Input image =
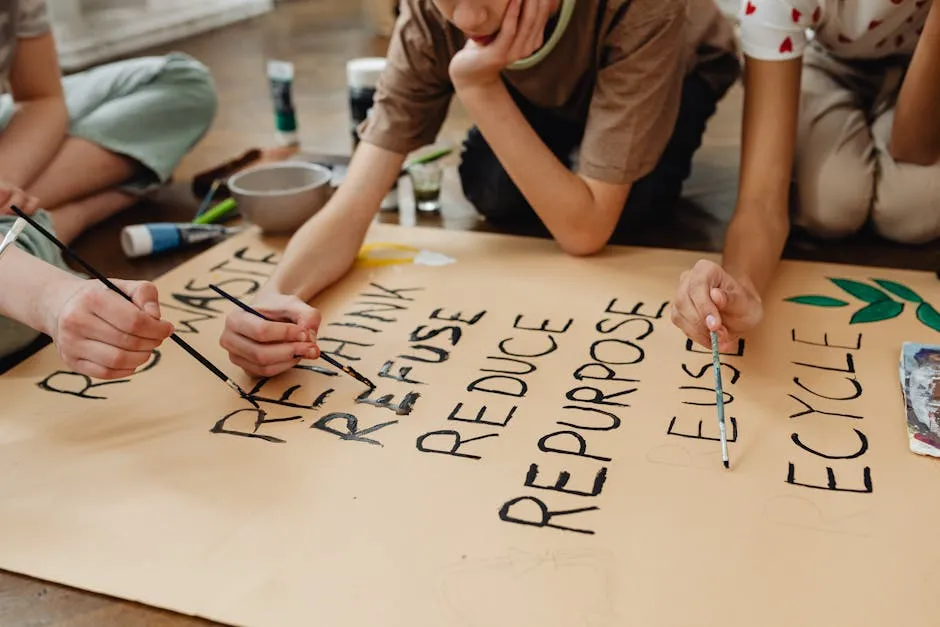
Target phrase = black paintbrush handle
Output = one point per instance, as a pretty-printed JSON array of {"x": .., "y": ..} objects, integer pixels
[
  {"x": 347, "y": 369},
  {"x": 92, "y": 271}
]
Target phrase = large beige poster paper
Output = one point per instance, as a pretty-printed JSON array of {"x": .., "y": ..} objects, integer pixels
[{"x": 589, "y": 491}]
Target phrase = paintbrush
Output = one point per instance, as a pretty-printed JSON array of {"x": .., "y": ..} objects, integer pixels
[
  {"x": 720, "y": 394},
  {"x": 12, "y": 234},
  {"x": 189, "y": 349},
  {"x": 347, "y": 369},
  {"x": 204, "y": 206}
]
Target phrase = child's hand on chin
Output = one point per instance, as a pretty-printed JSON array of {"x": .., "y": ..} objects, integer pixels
[{"x": 520, "y": 35}]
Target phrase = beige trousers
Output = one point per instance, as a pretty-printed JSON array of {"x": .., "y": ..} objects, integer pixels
[{"x": 843, "y": 172}]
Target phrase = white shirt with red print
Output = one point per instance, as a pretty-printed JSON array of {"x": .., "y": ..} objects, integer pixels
[{"x": 849, "y": 29}]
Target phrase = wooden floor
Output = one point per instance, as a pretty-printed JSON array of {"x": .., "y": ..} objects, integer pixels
[{"x": 319, "y": 36}]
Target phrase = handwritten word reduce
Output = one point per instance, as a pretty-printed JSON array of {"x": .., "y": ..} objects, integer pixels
[{"x": 515, "y": 362}]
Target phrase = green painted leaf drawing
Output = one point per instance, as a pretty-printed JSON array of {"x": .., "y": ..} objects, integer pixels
[
  {"x": 818, "y": 301},
  {"x": 901, "y": 291},
  {"x": 877, "y": 312},
  {"x": 861, "y": 291},
  {"x": 928, "y": 316}
]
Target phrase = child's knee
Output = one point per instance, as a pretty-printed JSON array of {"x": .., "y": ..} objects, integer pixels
[
  {"x": 192, "y": 86},
  {"x": 907, "y": 204},
  {"x": 835, "y": 195}
]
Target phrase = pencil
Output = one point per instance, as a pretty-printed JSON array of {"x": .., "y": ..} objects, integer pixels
[
  {"x": 92, "y": 271},
  {"x": 347, "y": 369},
  {"x": 720, "y": 394}
]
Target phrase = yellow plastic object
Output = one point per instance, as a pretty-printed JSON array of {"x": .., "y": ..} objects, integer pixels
[{"x": 386, "y": 254}]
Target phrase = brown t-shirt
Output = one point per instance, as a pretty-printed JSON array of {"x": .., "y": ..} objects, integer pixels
[{"x": 622, "y": 86}]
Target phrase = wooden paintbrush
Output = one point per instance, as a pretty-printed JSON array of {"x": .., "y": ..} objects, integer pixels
[
  {"x": 92, "y": 271},
  {"x": 347, "y": 369}
]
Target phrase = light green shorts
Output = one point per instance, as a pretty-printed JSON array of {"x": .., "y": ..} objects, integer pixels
[
  {"x": 13, "y": 335},
  {"x": 151, "y": 109}
]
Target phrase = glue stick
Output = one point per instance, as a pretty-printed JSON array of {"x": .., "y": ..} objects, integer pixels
[
  {"x": 281, "y": 79},
  {"x": 140, "y": 240}
]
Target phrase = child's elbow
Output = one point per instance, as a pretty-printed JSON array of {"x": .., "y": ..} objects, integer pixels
[{"x": 584, "y": 243}]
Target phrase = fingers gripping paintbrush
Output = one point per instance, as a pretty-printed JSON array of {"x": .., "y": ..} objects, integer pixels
[
  {"x": 347, "y": 369},
  {"x": 92, "y": 271}
]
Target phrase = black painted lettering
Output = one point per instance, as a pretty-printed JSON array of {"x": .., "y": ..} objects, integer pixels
[
  {"x": 390, "y": 293},
  {"x": 371, "y": 311},
  {"x": 354, "y": 325},
  {"x": 242, "y": 254},
  {"x": 439, "y": 354},
  {"x": 626, "y": 352},
  {"x": 607, "y": 330},
  {"x": 831, "y": 481},
  {"x": 732, "y": 436},
  {"x": 418, "y": 335},
  {"x": 78, "y": 385},
  {"x": 691, "y": 347},
  {"x": 352, "y": 432},
  {"x": 581, "y": 448},
  {"x": 856, "y": 390},
  {"x": 203, "y": 303},
  {"x": 551, "y": 349},
  {"x": 810, "y": 410},
  {"x": 849, "y": 365},
  {"x": 636, "y": 310},
  {"x": 507, "y": 386},
  {"x": 614, "y": 419},
  {"x": 402, "y": 376},
  {"x": 436, "y": 315},
  {"x": 545, "y": 516},
  {"x": 288, "y": 398},
  {"x": 597, "y": 397},
  {"x": 543, "y": 326},
  {"x": 710, "y": 370},
  {"x": 562, "y": 482},
  {"x": 224, "y": 267},
  {"x": 260, "y": 420},
  {"x": 861, "y": 450},
  {"x": 727, "y": 397},
  {"x": 825, "y": 342},
  {"x": 529, "y": 367},
  {"x": 285, "y": 399},
  {"x": 479, "y": 417},
  {"x": 402, "y": 408},
  {"x": 455, "y": 443},
  {"x": 606, "y": 374},
  {"x": 75, "y": 384},
  {"x": 338, "y": 352},
  {"x": 187, "y": 324}
]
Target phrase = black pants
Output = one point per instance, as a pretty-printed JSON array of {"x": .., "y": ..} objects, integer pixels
[{"x": 494, "y": 195}]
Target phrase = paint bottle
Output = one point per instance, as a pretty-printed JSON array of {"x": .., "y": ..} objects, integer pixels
[
  {"x": 362, "y": 76},
  {"x": 141, "y": 240},
  {"x": 281, "y": 80}
]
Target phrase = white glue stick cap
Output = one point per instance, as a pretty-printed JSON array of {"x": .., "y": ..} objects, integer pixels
[
  {"x": 137, "y": 240},
  {"x": 364, "y": 73}
]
